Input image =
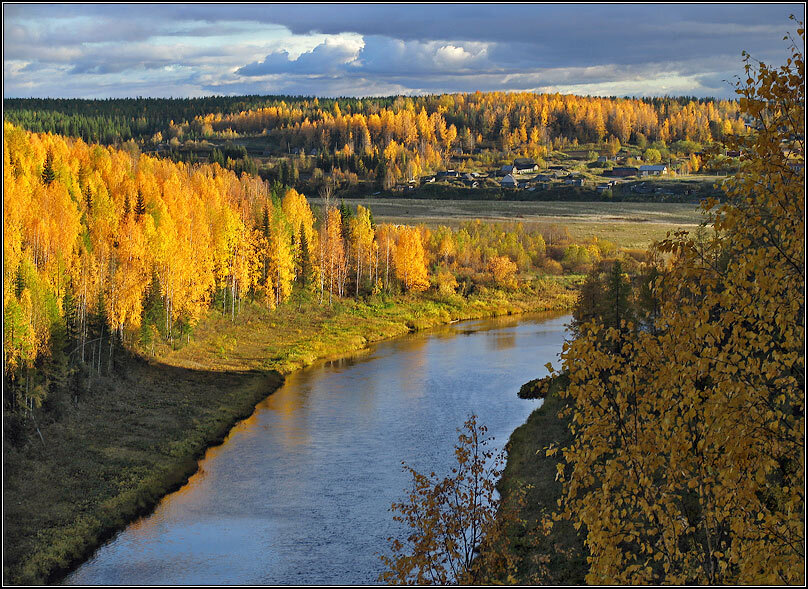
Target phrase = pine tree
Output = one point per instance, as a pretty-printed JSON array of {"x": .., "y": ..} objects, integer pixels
[
  {"x": 88, "y": 198},
  {"x": 140, "y": 205},
  {"x": 19, "y": 282},
  {"x": 618, "y": 289},
  {"x": 48, "y": 174}
]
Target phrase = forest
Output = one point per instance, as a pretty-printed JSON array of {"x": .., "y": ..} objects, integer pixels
[
  {"x": 383, "y": 140},
  {"x": 103, "y": 245}
]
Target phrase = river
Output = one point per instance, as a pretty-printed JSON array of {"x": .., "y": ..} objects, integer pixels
[{"x": 300, "y": 492}]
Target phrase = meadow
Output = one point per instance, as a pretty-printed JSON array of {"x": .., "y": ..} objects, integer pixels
[{"x": 629, "y": 224}]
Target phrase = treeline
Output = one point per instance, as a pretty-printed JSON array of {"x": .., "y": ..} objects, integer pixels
[
  {"x": 115, "y": 120},
  {"x": 105, "y": 246},
  {"x": 409, "y": 135}
]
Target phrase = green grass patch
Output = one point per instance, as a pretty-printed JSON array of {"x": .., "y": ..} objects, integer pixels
[{"x": 298, "y": 333}]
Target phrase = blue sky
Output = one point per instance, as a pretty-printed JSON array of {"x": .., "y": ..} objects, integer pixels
[{"x": 181, "y": 50}]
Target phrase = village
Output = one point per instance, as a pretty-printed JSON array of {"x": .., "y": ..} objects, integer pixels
[{"x": 578, "y": 174}]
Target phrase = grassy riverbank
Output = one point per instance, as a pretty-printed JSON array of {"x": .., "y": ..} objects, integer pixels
[
  {"x": 528, "y": 468},
  {"x": 110, "y": 453},
  {"x": 301, "y": 332}
]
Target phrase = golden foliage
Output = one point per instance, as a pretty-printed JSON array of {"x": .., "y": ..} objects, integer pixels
[
  {"x": 688, "y": 460},
  {"x": 449, "y": 520},
  {"x": 410, "y": 260}
]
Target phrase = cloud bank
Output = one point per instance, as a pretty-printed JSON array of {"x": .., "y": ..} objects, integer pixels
[{"x": 366, "y": 50}]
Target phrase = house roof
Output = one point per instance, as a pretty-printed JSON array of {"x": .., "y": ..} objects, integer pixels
[
  {"x": 654, "y": 168},
  {"x": 509, "y": 179},
  {"x": 521, "y": 163}
]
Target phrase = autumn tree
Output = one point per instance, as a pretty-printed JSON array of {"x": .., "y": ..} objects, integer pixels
[
  {"x": 361, "y": 238},
  {"x": 688, "y": 460},
  {"x": 451, "y": 519},
  {"x": 410, "y": 262},
  {"x": 503, "y": 271}
]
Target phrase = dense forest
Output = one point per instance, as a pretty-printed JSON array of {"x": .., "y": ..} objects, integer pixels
[
  {"x": 105, "y": 246},
  {"x": 384, "y": 139}
]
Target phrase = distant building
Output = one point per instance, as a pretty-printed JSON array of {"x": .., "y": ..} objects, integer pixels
[
  {"x": 524, "y": 165},
  {"x": 505, "y": 170},
  {"x": 509, "y": 182},
  {"x": 655, "y": 170},
  {"x": 543, "y": 178},
  {"x": 623, "y": 172}
]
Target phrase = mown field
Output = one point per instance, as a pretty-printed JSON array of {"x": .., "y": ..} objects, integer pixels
[{"x": 628, "y": 224}]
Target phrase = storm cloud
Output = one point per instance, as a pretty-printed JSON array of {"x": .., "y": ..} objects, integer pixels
[{"x": 365, "y": 50}]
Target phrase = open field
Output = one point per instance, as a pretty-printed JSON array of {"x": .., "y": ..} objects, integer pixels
[{"x": 627, "y": 224}]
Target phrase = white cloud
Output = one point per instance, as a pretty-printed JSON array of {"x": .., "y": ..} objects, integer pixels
[{"x": 330, "y": 56}]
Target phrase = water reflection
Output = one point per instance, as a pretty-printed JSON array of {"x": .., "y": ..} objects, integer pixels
[{"x": 300, "y": 492}]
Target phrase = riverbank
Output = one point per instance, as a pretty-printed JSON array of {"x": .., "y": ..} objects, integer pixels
[
  {"x": 528, "y": 468},
  {"x": 304, "y": 332},
  {"x": 125, "y": 441}
]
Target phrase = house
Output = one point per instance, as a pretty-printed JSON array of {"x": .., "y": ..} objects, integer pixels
[
  {"x": 509, "y": 182},
  {"x": 469, "y": 177},
  {"x": 543, "y": 178},
  {"x": 505, "y": 170},
  {"x": 603, "y": 159},
  {"x": 524, "y": 165},
  {"x": 446, "y": 174},
  {"x": 622, "y": 172},
  {"x": 655, "y": 170}
]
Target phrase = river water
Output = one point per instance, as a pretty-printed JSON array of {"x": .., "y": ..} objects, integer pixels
[{"x": 300, "y": 492}]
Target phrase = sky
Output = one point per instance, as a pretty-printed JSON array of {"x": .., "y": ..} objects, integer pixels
[{"x": 188, "y": 50}]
